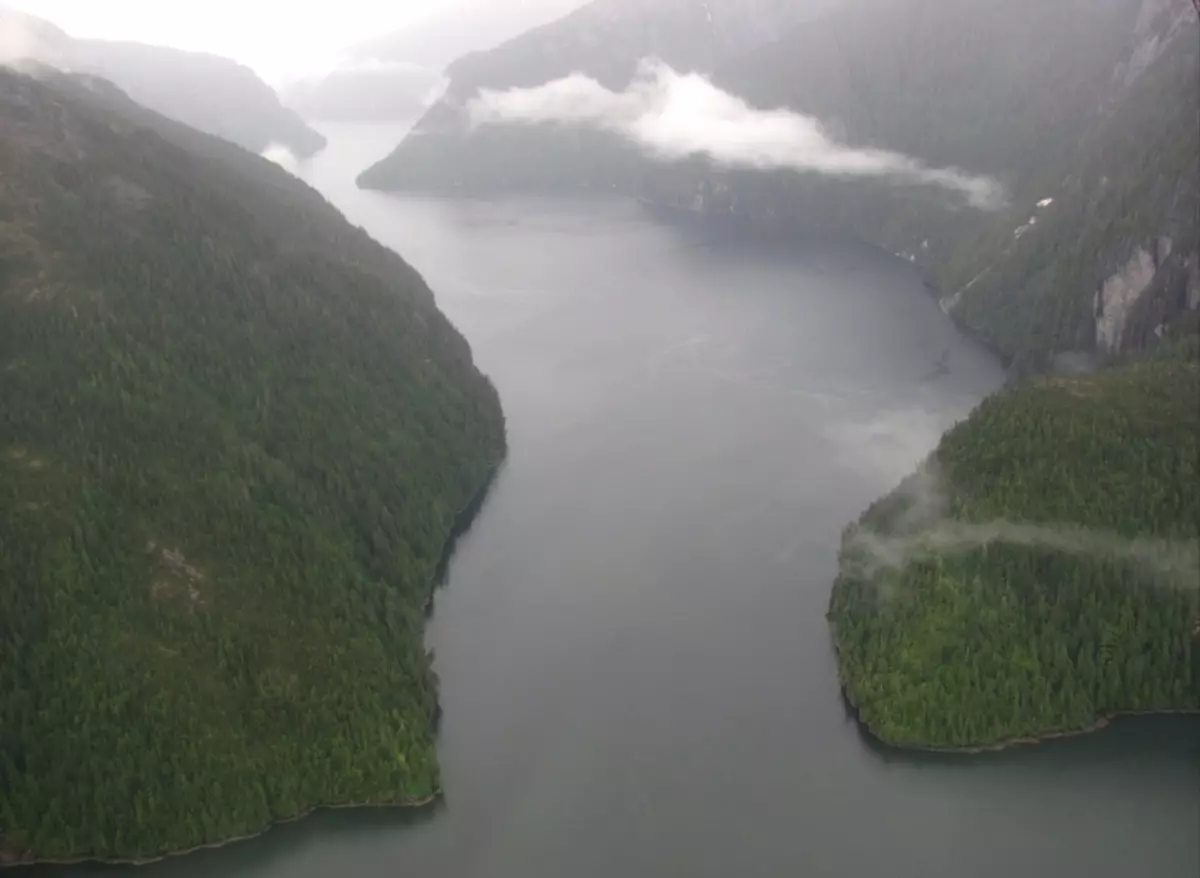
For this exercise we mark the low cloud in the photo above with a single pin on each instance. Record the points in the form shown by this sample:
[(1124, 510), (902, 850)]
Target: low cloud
[(379, 65), (673, 116), (24, 38), (1172, 562), (16, 43), (283, 157), (345, 64), (923, 531)]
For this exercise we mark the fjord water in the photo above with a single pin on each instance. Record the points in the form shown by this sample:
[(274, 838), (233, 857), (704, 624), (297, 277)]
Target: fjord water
[(636, 673)]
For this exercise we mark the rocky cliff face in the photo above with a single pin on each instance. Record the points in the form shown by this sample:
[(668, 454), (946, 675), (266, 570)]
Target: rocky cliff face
[(1110, 267), (1117, 296)]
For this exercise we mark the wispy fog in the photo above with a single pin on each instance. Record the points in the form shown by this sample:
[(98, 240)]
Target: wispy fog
[(283, 40), (27, 39), (283, 157), (673, 116), (14, 42), (925, 530)]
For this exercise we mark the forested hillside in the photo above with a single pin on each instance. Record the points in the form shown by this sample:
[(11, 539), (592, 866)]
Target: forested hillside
[(235, 433), (1040, 571)]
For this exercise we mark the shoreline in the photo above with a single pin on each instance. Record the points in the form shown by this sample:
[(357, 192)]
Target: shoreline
[(461, 523), (1100, 723), (421, 802)]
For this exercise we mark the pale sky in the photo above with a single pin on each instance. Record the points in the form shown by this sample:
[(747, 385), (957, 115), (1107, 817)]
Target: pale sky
[(278, 38)]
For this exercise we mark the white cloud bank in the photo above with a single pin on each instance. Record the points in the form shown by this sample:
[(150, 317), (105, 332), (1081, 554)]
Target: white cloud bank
[(16, 42), (283, 157), (926, 531), (24, 38), (673, 116)]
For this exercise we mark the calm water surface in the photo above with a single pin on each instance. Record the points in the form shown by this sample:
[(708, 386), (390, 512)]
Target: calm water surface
[(636, 673)]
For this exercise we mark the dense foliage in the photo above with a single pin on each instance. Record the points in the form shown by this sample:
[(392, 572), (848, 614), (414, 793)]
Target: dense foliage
[(1076, 595), (235, 433)]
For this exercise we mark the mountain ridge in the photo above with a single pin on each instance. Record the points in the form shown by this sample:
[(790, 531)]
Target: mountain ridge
[(203, 90)]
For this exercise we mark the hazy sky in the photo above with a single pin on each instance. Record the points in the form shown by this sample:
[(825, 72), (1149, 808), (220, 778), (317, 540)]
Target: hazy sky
[(278, 38)]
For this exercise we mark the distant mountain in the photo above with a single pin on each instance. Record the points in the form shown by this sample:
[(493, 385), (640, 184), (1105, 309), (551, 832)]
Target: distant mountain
[(1084, 109), (397, 76), (209, 93), (365, 91), (607, 39), (1025, 91), (457, 29), (236, 435)]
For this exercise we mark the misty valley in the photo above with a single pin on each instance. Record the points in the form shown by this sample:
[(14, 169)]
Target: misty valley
[(706, 437)]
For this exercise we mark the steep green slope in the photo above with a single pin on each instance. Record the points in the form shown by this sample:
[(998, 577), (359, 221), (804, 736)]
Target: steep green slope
[(1039, 572), (234, 436), (1131, 187)]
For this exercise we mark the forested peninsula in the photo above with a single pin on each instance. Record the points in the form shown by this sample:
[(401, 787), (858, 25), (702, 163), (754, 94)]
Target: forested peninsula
[(1040, 573), (235, 437)]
